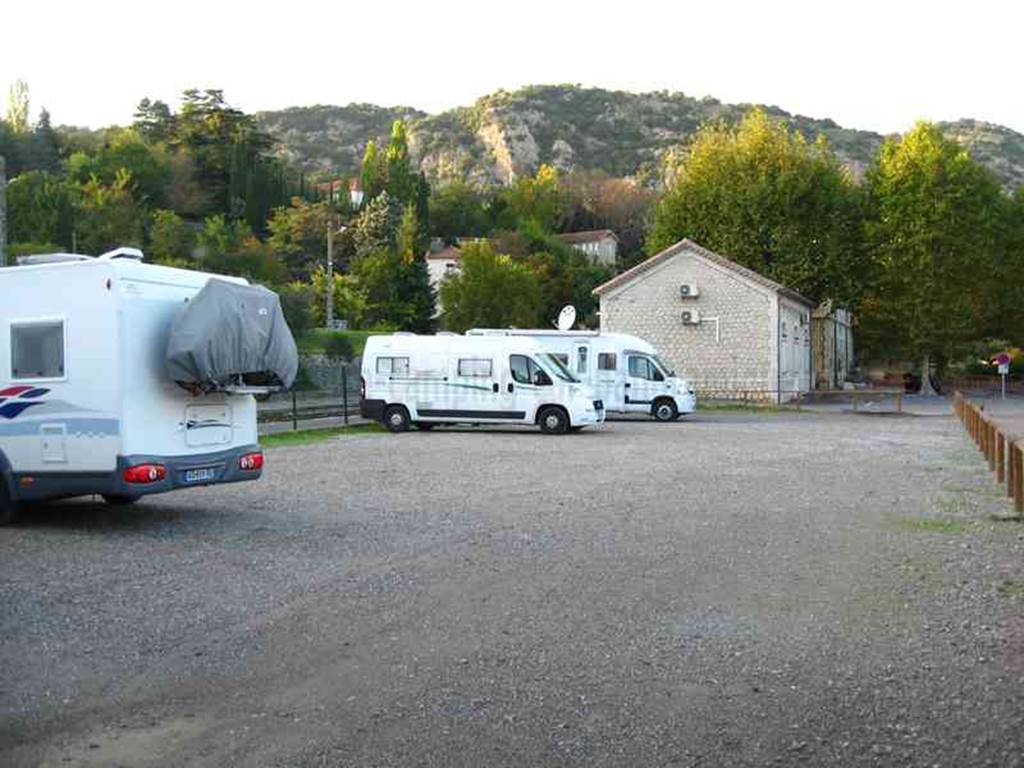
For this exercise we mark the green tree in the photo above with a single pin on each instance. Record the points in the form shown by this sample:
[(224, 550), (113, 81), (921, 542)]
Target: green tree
[(376, 226), (40, 209), (397, 291), (761, 195), (18, 103), (171, 240), (458, 210), (401, 182), (108, 215), (490, 290), (125, 150), (539, 199), (297, 300), (229, 247), (374, 172), (299, 234), (933, 231), (349, 299)]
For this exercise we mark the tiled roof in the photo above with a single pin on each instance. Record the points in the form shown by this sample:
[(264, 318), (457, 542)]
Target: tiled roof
[(692, 247), (446, 253), (589, 236)]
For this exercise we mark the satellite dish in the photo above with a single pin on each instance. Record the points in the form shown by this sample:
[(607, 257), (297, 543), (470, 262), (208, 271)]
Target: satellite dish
[(566, 318)]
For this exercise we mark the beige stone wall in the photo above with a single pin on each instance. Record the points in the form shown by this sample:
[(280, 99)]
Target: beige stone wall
[(739, 361)]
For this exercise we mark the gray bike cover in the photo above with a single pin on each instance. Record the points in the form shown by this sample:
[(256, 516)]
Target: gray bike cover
[(229, 333)]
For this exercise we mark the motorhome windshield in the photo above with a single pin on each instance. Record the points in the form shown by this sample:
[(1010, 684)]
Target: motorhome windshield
[(665, 369), (559, 368)]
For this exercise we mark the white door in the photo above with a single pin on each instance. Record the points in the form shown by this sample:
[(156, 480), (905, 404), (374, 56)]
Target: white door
[(609, 379), (644, 382), (525, 386)]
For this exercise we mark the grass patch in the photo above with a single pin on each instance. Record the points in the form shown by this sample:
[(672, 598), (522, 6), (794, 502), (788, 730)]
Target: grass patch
[(943, 525), (743, 408), (307, 436), (1011, 588)]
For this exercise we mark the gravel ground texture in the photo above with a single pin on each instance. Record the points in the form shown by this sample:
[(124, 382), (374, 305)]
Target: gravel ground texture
[(732, 589)]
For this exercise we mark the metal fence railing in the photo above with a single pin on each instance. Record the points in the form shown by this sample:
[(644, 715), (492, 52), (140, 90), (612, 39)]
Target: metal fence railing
[(331, 400)]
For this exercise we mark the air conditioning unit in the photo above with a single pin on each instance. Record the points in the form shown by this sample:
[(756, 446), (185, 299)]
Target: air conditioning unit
[(688, 290), (691, 317)]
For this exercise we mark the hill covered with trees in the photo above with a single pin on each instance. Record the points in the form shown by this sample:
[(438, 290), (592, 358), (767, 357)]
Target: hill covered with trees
[(509, 134)]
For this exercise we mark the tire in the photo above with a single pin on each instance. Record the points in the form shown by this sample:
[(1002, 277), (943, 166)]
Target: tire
[(8, 507), (553, 420), (664, 410), (118, 500), (424, 426), (396, 418)]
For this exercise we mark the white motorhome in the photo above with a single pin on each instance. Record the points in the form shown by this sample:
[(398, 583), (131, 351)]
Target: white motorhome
[(447, 379), (87, 403), (624, 371)]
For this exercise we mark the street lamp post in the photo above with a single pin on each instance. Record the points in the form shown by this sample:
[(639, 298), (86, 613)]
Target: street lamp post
[(331, 233)]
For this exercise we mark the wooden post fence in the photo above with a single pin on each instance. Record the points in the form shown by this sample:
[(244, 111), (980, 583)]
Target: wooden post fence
[(1003, 452)]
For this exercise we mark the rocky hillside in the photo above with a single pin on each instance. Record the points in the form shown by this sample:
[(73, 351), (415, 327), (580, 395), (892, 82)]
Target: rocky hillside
[(508, 134)]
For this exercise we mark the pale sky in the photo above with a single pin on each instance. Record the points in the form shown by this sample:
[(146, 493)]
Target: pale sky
[(866, 64)]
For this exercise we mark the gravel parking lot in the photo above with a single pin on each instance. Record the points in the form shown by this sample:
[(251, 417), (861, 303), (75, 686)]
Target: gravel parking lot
[(735, 589)]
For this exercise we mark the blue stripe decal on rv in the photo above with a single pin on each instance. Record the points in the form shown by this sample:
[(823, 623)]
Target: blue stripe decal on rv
[(74, 427)]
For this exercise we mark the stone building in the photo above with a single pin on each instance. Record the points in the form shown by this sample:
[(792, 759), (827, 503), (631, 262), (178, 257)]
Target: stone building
[(732, 332), (601, 246)]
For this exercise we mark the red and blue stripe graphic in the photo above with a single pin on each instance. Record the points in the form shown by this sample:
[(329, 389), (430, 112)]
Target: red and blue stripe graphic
[(16, 400)]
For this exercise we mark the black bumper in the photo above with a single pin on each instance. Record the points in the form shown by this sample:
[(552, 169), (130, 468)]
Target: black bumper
[(36, 486), (372, 409)]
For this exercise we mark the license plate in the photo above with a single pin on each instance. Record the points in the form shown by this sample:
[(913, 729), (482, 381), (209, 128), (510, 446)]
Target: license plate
[(200, 475)]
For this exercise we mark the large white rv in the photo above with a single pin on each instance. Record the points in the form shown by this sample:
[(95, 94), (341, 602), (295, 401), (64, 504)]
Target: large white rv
[(90, 399), (624, 371), (447, 379)]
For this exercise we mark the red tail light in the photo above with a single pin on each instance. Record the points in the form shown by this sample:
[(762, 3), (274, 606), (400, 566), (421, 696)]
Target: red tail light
[(145, 473), (251, 462)]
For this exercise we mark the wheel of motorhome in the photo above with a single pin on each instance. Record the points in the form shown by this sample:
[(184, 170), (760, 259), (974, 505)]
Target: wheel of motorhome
[(140, 380), (8, 506), (665, 409), (553, 420), (396, 418), (424, 381)]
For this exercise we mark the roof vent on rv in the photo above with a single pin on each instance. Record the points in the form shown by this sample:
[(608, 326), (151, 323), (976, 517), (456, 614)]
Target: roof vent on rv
[(121, 253)]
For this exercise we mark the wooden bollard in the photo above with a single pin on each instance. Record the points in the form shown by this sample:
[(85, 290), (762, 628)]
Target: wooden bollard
[(1011, 469), (1000, 456), (1018, 474), (990, 444)]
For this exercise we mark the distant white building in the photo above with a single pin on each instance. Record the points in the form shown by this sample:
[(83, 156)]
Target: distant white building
[(601, 246)]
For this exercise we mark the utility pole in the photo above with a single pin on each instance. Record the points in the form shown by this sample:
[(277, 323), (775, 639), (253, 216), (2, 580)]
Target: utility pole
[(331, 232), (3, 213)]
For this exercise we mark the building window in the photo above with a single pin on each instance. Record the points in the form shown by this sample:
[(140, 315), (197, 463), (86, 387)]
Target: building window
[(474, 367), (393, 366), (37, 350), (606, 361)]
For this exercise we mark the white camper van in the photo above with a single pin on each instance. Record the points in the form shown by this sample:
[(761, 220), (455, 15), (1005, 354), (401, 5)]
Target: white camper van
[(88, 401), (447, 379), (624, 371)]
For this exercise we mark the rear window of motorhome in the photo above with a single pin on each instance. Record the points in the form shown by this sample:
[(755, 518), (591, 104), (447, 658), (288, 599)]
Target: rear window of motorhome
[(393, 366), (37, 350), (606, 361), (474, 367)]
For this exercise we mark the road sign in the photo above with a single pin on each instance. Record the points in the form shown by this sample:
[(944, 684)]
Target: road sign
[(1003, 358)]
